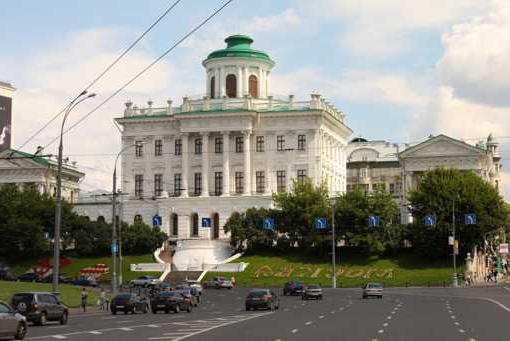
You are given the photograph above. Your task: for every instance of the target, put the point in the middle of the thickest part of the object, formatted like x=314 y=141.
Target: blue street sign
x=157 y=220
x=470 y=219
x=206 y=222
x=430 y=220
x=268 y=224
x=320 y=223
x=115 y=248
x=373 y=221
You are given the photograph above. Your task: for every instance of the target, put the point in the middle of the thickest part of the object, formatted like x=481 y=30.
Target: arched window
x=213 y=86
x=138 y=219
x=231 y=86
x=100 y=219
x=175 y=224
x=253 y=86
x=194 y=225
x=216 y=225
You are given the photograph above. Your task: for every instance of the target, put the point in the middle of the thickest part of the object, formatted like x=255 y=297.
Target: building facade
x=397 y=168
x=6 y=95
x=227 y=151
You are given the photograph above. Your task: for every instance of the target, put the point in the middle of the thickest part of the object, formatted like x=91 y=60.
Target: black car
x=62 y=278
x=262 y=299
x=293 y=288
x=6 y=275
x=170 y=301
x=190 y=294
x=129 y=303
x=29 y=277
x=84 y=282
x=40 y=307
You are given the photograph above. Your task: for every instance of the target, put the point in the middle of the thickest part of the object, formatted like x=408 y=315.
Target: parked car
x=62 y=278
x=262 y=299
x=12 y=323
x=28 y=277
x=40 y=307
x=293 y=288
x=84 y=282
x=145 y=281
x=312 y=291
x=170 y=301
x=129 y=303
x=6 y=275
x=191 y=295
x=195 y=284
x=372 y=290
x=218 y=283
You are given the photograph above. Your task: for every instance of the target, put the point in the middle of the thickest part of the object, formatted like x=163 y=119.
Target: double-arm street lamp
x=58 y=208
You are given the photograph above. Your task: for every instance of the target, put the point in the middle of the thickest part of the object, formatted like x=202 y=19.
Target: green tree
x=247 y=232
x=437 y=190
x=352 y=213
x=140 y=238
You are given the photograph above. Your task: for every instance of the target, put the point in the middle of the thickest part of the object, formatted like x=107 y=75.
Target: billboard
x=5 y=122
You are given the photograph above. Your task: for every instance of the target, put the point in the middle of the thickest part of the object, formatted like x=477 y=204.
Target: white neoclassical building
x=226 y=151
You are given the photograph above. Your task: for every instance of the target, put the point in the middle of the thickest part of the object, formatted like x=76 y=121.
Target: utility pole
x=455 y=282
x=114 y=234
x=333 y=242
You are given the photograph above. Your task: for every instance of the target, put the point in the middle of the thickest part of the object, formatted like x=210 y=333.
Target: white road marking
x=108 y=318
x=388 y=318
x=453 y=317
x=321 y=317
x=461 y=330
x=507 y=289
x=126 y=329
x=380 y=331
x=308 y=323
x=332 y=312
x=59 y=337
x=457 y=323
x=286 y=309
x=57 y=327
x=341 y=309
x=95 y=332
x=471 y=339
x=294 y=331
x=385 y=324
x=125 y=321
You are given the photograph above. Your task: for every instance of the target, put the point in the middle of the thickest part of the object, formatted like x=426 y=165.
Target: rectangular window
x=218 y=145
x=301 y=176
x=363 y=172
x=198 y=183
x=260 y=144
x=301 y=142
x=280 y=143
x=177 y=184
x=281 y=183
x=392 y=188
x=375 y=187
x=139 y=185
x=239 y=182
x=260 y=181
x=138 y=149
x=158 y=184
x=239 y=144
x=178 y=147
x=198 y=146
x=218 y=183
x=158 y=147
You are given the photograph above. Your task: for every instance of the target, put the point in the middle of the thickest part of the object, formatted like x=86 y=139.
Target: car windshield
x=185 y=291
x=167 y=294
x=314 y=287
x=374 y=286
x=257 y=293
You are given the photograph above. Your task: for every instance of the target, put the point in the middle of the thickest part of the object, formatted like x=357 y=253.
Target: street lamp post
x=333 y=243
x=455 y=281
x=58 y=204
x=115 y=245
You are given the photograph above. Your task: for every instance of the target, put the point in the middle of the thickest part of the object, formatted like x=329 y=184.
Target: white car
x=372 y=289
x=144 y=281
x=195 y=284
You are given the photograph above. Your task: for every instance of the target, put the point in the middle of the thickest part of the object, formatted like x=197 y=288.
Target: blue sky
x=400 y=70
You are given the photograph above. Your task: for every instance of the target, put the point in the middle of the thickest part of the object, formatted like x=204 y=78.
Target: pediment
x=443 y=146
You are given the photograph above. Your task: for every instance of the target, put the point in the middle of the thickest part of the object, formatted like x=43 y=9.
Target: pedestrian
x=233 y=280
x=103 y=301
x=84 y=296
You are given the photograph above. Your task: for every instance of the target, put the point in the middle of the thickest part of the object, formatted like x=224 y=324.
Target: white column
x=247 y=163
x=246 y=85
x=240 y=82
x=222 y=82
x=185 y=164
x=262 y=83
x=259 y=83
x=216 y=83
x=289 y=176
x=226 y=164
x=268 y=184
x=205 y=165
x=268 y=83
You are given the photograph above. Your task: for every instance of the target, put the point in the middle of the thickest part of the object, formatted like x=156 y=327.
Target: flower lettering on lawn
x=310 y=272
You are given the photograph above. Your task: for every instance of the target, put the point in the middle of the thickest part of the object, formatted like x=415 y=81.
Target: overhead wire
x=186 y=36
x=106 y=70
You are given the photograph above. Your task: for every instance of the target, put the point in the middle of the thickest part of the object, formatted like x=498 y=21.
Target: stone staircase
x=176 y=277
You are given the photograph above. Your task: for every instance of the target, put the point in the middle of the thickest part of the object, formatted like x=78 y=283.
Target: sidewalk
x=91 y=310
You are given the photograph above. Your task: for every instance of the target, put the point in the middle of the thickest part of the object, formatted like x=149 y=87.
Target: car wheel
x=146 y=309
x=167 y=311
x=248 y=308
x=126 y=312
x=190 y=308
x=154 y=311
x=271 y=307
x=42 y=319
x=177 y=309
x=63 y=319
x=114 y=312
x=21 y=331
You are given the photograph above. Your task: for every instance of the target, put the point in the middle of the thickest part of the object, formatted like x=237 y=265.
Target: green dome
x=239 y=46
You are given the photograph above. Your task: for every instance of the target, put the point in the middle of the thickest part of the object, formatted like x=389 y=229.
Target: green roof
x=239 y=46
x=40 y=160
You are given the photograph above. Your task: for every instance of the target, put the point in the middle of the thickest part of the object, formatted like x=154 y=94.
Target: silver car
x=12 y=324
x=144 y=281
x=373 y=290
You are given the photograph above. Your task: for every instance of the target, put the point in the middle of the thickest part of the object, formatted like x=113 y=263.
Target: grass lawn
x=352 y=270
x=69 y=294
x=72 y=270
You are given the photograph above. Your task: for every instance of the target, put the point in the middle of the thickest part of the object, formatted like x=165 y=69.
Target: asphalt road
x=402 y=314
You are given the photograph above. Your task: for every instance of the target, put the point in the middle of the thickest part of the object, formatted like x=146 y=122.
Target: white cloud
x=383 y=28
x=475 y=62
x=285 y=21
